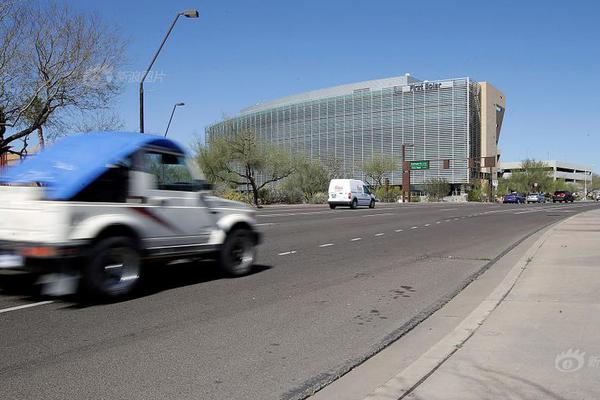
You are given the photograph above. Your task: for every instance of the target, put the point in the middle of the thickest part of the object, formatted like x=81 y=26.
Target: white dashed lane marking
x=287 y=253
x=326 y=245
x=24 y=306
x=355 y=239
x=379 y=234
x=398 y=230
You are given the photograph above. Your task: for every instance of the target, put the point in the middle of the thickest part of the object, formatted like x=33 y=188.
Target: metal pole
x=403 y=172
x=171 y=118
x=148 y=70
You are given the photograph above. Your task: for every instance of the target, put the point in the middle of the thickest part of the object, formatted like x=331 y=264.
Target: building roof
x=550 y=163
x=333 y=92
x=71 y=164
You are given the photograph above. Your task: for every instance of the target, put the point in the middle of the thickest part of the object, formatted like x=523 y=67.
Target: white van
x=349 y=192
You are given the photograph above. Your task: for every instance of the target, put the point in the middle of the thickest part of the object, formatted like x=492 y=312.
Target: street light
x=171 y=118
x=187 y=14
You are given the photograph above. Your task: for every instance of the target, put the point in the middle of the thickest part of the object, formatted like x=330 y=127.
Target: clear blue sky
x=544 y=55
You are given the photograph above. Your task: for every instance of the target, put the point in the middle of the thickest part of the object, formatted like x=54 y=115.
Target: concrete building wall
x=570 y=172
x=493 y=104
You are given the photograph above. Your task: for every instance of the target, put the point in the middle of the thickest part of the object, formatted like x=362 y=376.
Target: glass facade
x=437 y=120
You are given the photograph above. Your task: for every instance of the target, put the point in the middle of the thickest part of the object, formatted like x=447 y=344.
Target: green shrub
x=319 y=198
x=280 y=195
x=475 y=194
x=391 y=196
x=436 y=188
x=232 y=194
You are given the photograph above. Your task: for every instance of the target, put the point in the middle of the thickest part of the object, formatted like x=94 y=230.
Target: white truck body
x=166 y=220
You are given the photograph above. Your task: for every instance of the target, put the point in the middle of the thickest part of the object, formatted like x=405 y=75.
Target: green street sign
x=419 y=165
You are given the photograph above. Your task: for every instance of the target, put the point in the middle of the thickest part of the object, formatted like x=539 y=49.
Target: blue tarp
x=72 y=163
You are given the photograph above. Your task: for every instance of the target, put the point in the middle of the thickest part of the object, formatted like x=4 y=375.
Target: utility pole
x=405 y=174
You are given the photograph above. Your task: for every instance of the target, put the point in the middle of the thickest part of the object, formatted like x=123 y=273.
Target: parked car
x=517 y=198
x=349 y=192
x=98 y=206
x=563 y=196
x=536 y=198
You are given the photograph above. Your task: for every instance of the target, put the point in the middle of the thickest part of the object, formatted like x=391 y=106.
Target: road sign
x=418 y=165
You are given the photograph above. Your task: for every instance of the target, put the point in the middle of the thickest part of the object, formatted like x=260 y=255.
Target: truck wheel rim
x=121 y=269
x=242 y=253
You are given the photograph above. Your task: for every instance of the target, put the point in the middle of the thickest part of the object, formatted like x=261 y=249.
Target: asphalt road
x=331 y=288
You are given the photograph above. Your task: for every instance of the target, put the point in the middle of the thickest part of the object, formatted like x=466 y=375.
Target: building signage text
x=420 y=87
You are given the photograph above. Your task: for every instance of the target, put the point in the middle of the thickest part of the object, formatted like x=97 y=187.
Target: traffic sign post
x=419 y=165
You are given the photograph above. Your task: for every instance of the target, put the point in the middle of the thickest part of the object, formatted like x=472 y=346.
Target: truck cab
x=100 y=206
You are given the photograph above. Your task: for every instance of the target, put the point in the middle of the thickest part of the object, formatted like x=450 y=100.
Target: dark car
x=563 y=196
x=514 y=198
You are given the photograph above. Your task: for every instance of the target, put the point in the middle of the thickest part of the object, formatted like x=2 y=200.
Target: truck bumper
x=36 y=258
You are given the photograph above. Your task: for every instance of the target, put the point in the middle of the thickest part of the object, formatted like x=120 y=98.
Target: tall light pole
x=187 y=14
x=171 y=118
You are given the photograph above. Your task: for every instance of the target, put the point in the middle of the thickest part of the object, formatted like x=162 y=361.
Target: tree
x=436 y=188
x=376 y=169
x=533 y=176
x=335 y=168
x=242 y=159
x=310 y=177
x=52 y=60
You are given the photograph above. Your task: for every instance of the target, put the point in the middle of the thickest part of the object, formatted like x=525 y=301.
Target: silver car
x=536 y=198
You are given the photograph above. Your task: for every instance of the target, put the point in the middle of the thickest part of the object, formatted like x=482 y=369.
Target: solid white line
x=40 y=303
x=375 y=215
x=266 y=224
x=355 y=239
x=379 y=234
x=326 y=245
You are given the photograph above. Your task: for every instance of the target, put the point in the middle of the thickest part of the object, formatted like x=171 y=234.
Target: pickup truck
x=100 y=206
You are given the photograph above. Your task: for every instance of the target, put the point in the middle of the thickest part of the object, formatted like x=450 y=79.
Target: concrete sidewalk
x=541 y=342
x=535 y=336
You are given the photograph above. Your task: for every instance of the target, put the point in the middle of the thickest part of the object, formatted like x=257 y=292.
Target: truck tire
x=238 y=252
x=332 y=206
x=113 y=268
x=372 y=204
x=353 y=204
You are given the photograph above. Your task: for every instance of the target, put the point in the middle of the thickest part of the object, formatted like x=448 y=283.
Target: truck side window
x=110 y=187
x=366 y=189
x=170 y=170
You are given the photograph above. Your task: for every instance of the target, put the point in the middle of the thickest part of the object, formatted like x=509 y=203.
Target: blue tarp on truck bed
x=72 y=163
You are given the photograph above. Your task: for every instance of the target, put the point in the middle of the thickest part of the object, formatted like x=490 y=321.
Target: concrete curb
x=416 y=373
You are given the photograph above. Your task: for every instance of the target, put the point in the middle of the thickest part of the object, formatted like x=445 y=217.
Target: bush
x=319 y=198
x=392 y=195
x=232 y=194
x=475 y=194
x=280 y=195
x=436 y=188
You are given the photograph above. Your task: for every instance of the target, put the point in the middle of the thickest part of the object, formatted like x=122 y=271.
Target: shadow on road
x=156 y=278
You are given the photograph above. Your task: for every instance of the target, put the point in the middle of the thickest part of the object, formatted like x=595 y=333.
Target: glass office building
x=354 y=123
